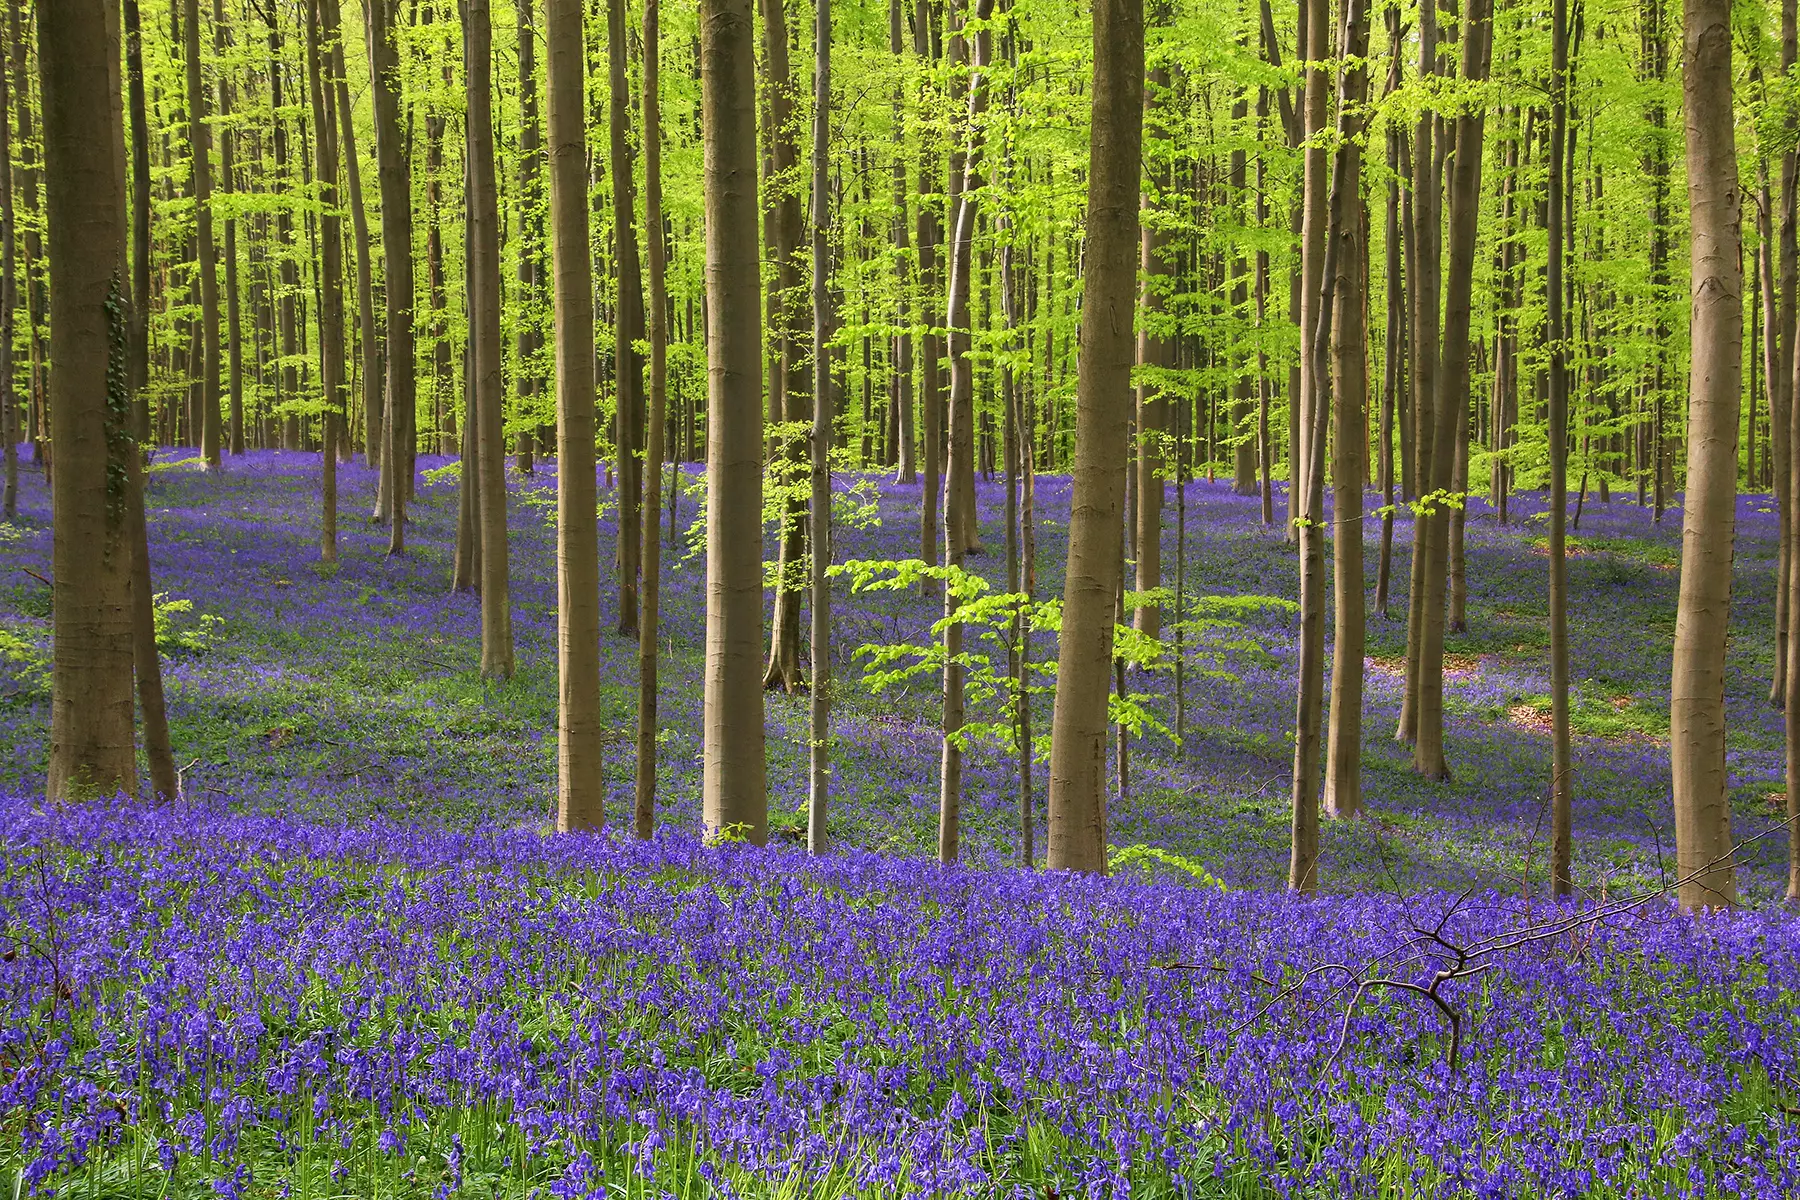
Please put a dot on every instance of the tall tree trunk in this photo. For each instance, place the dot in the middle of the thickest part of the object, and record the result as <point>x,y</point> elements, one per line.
<point>1349,348</point>
<point>786,388</point>
<point>1103,420</point>
<point>1450,405</point>
<point>1308,475</point>
<point>373,407</point>
<point>734,774</point>
<point>200,148</point>
<point>628,323</point>
<point>1425,280</point>
<point>1152,404</point>
<point>9,294</point>
<point>649,626</point>
<point>1561,769</point>
<point>331,265</point>
<point>1393,373</point>
<point>930,347</point>
<point>531,237</point>
<point>819,719</point>
<point>905,453</point>
<point>959,492</point>
<point>92,751</point>
<point>484,340</point>
<point>289,290</point>
<point>580,737</point>
<point>26,171</point>
<point>394,173</point>
<point>234,340</point>
<point>1697,673</point>
<point>1781,347</point>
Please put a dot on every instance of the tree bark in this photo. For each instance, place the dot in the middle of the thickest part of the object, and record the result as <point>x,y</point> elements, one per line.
<point>1425,276</point>
<point>649,627</point>
<point>484,339</point>
<point>786,388</point>
<point>200,148</point>
<point>1153,352</point>
<point>1450,410</point>
<point>1103,419</point>
<point>734,781</point>
<point>1556,207</point>
<point>1349,346</point>
<point>1697,673</point>
<point>394,173</point>
<point>819,760</point>
<point>372,383</point>
<point>92,751</point>
<point>628,323</point>
<point>331,267</point>
<point>580,735</point>
<point>959,492</point>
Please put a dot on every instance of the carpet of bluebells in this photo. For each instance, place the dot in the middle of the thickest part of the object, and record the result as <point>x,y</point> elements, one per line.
<point>350,961</point>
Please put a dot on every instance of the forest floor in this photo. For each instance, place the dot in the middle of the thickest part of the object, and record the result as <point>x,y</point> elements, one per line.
<point>348,961</point>
<point>352,691</point>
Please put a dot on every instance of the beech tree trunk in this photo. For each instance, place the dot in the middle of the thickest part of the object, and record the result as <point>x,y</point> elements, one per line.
<point>200,147</point>
<point>331,268</point>
<point>734,781</point>
<point>1424,275</point>
<point>1450,409</point>
<point>580,736</point>
<point>1153,351</point>
<point>394,172</point>
<point>649,627</point>
<point>819,759</point>
<point>1556,322</point>
<point>1102,430</point>
<point>369,350</point>
<point>1697,673</point>
<point>1349,345</point>
<point>959,492</point>
<point>786,387</point>
<point>92,750</point>
<point>234,341</point>
<point>9,293</point>
<point>484,340</point>
<point>628,324</point>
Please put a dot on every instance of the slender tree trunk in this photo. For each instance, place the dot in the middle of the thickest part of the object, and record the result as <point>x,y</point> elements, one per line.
<point>628,323</point>
<point>959,492</point>
<point>1103,420</point>
<point>1393,373</point>
<point>1308,474</point>
<point>734,780</point>
<point>1349,347</point>
<point>904,454</point>
<point>1450,405</point>
<point>394,173</point>
<point>234,341</point>
<point>372,383</point>
<point>200,147</point>
<point>331,265</point>
<point>649,625</point>
<point>26,171</point>
<point>484,340</point>
<point>1697,674</point>
<point>930,345</point>
<point>819,764</point>
<point>1152,405</point>
<point>9,294</point>
<point>1425,286</point>
<point>92,751</point>
<point>531,236</point>
<point>580,737</point>
<point>1781,346</point>
<point>1561,768</point>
